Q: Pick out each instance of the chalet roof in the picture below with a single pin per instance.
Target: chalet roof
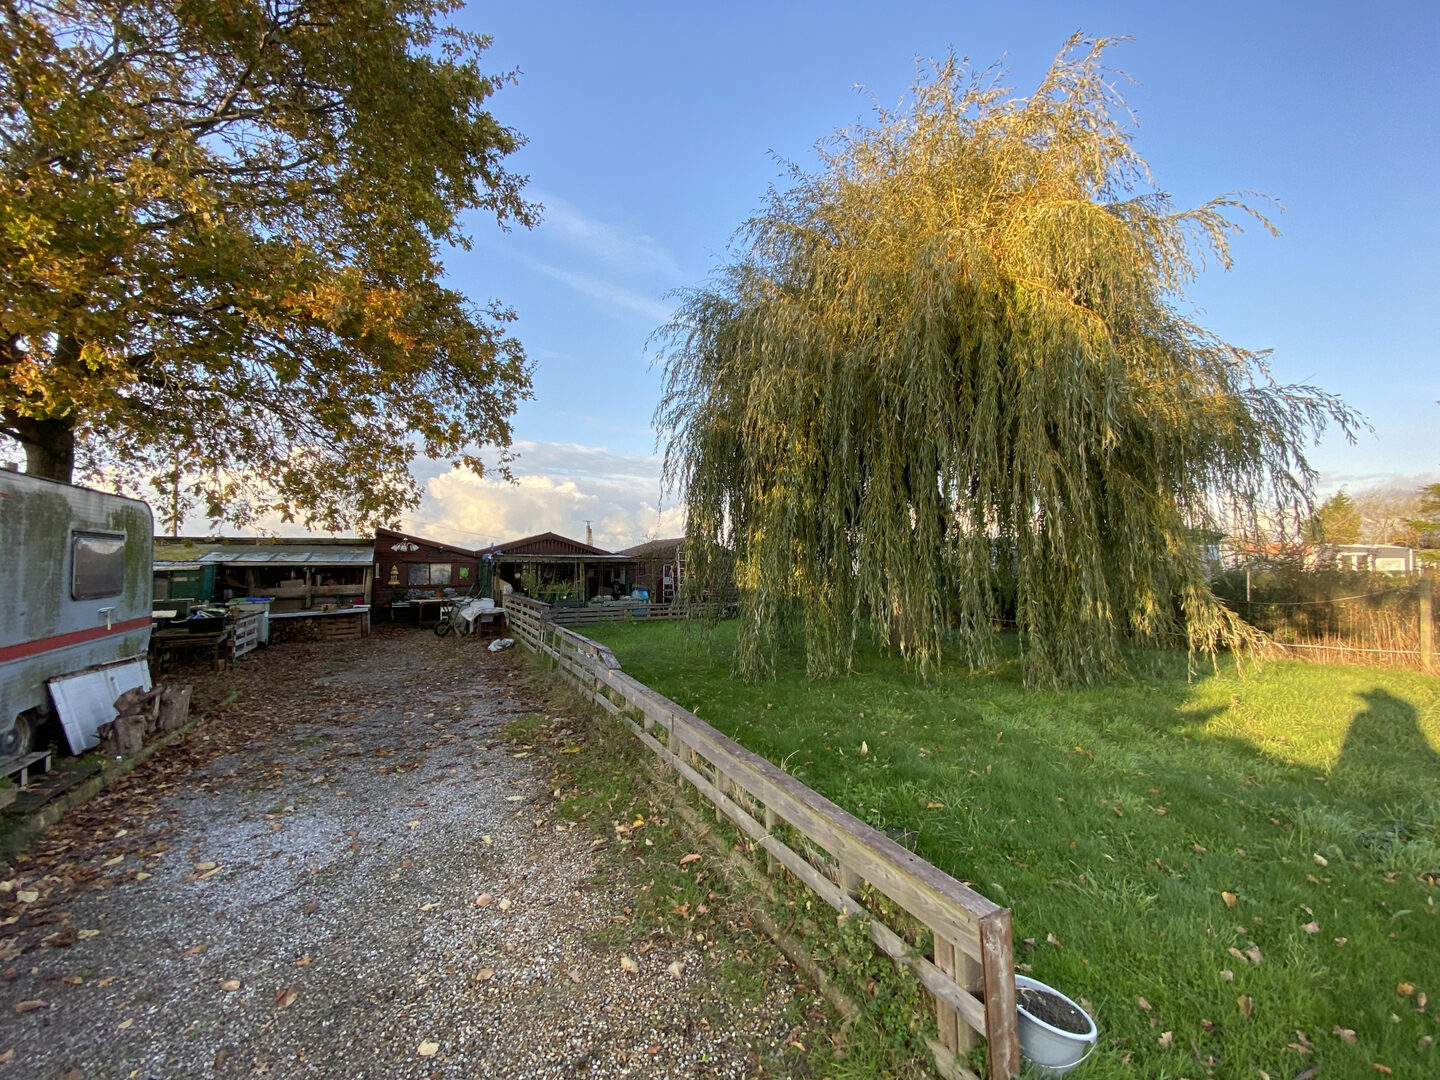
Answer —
(170, 549)
(384, 538)
(547, 544)
(291, 555)
(652, 547)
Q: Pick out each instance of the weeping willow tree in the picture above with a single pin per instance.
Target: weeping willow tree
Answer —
(951, 376)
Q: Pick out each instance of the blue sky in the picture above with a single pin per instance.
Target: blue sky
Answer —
(655, 129)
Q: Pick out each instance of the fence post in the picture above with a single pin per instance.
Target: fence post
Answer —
(1427, 626)
(997, 960)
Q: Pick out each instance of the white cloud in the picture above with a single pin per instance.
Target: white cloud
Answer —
(615, 297)
(625, 251)
(558, 488)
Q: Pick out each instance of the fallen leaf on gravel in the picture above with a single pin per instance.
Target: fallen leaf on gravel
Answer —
(73, 1074)
(230, 985)
(309, 909)
(194, 950)
(106, 981)
(141, 876)
(1347, 1034)
(486, 840)
(629, 965)
(1230, 899)
(286, 997)
(513, 798)
(416, 825)
(61, 939)
(27, 896)
(201, 867)
(574, 975)
(86, 935)
(1247, 1005)
(430, 906)
(504, 905)
(72, 980)
(428, 1049)
(304, 961)
(23, 1007)
(116, 861)
(485, 974)
(484, 900)
(676, 968)
(220, 1056)
(7, 1056)
(125, 1023)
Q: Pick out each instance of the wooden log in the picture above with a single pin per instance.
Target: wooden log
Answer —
(174, 708)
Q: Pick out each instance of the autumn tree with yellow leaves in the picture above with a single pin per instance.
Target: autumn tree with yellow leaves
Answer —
(221, 230)
(951, 378)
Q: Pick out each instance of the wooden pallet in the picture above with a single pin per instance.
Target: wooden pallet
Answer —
(21, 764)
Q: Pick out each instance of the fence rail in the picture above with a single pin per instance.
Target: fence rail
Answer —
(971, 975)
(590, 615)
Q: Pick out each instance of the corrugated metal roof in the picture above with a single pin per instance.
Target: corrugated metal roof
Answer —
(652, 547)
(292, 555)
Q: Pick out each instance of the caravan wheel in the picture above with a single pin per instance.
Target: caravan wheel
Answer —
(17, 740)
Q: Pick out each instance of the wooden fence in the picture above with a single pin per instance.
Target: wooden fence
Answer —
(971, 975)
(591, 614)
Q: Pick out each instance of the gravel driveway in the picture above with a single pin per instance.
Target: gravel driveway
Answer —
(348, 871)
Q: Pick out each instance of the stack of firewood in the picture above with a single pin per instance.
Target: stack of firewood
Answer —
(141, 713)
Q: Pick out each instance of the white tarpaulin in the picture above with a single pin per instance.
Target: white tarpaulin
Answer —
(86, 699)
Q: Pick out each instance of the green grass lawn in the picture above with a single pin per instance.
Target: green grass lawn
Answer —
(1238, 874)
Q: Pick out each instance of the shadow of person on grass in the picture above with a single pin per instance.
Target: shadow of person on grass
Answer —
(1385, 754)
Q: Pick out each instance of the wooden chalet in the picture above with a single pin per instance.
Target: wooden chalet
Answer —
(409, 568)
(557, 569)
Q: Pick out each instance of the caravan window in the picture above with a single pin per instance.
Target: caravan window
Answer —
(97, 567)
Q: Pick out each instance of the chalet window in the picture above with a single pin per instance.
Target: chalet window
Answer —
(97, 567)
(429, 573)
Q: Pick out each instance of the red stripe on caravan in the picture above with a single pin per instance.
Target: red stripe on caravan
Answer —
(75, 637)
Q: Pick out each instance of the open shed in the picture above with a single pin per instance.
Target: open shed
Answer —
(557, 569)
(299, 576)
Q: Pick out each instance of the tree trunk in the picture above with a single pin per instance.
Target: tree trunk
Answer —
(49, 448)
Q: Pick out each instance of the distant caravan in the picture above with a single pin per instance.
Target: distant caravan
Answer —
(76, 582)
